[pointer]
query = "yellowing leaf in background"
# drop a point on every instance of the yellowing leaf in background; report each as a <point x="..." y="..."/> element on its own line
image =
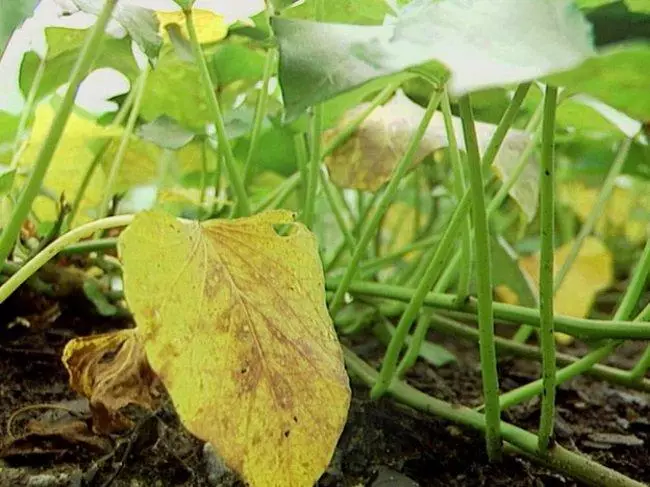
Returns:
<point x="627" y="211"/>
<point x="367" y="159"/>
<point x="70" y="162"/>
<point x="399" y="228"/>
<point x="233" y="321"/>
<point x="591" y="272"/>
<point x="210" y="27"/>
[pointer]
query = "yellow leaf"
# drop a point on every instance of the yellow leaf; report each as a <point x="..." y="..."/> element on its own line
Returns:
<point x="210" y="27"/>
<point x="69" y="164"/>
<point x="399" y="229"/>
<point x="233" y="320"/>
<point x="111" y="370"/>
<point x="506" y="294"/>
<point x="627" y="211"/>
<point x="591" y="272"/>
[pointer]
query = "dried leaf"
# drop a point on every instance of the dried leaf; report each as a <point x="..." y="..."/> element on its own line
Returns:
<point x="233" y="320"/>
<point x="111" y="370"/>
<point x="367" y="159"/>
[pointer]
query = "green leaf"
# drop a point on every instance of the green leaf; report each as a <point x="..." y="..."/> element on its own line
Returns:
<point x="8" y="127"/>
<point x="618" y="76"/>
<point x="14" y="13"/>
<point x="7" y="178"/>
<point x="173" y="89"/>
<point x="165" y="133"/>
<point x="589" y="159"/>
<point x="232" y="62"/>
<point x="482" y="46"/>
<point x="617" y="22"/>
<point x="362" y="12"/>
<point x="140" y="23"/>
<point x="64" y="48"/>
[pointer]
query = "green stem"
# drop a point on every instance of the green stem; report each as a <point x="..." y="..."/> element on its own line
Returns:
<point x="487" y="349"/>
<point x="260" y="114"/>
<point x="559" y="458"/>
<point x="578" y="327"/>
<point x="459" y="188"/>
<point x="33" y="186"/>
<point x="383" y="203"/>
<point x="114" y="171"/>
<point x="243" y="205"/>
<point x="546" y="291"/>
<point x="313" y="168"/>
<point x="596" y="211"/>
<point x="415" y="343"/>
<point x="73" y="236"/>
<point x="456" y="329"/>
<point x="109" y="243"/>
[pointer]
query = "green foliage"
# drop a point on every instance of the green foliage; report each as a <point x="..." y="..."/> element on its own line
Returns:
<point x="63" y="49"/>
<point x="319" y="60"/>
<point x="617" y="75"/>
<point x="14" y="13"/>
<point x="140" y="23"/>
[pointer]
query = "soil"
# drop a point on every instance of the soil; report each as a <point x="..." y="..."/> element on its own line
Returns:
<point x="383" y="444"/>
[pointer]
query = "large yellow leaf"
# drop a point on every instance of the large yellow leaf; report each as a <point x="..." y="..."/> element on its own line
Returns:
<point x="591" y="272"/>
<point x="233" y="320"/>
<point x="367" y="159"/>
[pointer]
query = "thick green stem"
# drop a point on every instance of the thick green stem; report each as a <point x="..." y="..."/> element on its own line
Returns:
<point x="33" y="186"/>
<point x="487" y="349"/>
<point x="116" y="165"/>
<point x="243" y="205"/>
<point x="383" y="203"/>
<point x="459" y="188"/>
<point x="546" y="291"/>
<point x="260" y="114"/>
<point x="57" y="246"/>
<point x="559" y="458"/>
<point x="579" y="327"/>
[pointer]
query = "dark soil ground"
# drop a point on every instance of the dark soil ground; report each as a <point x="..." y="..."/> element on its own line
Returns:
<point x="384" y="444"/>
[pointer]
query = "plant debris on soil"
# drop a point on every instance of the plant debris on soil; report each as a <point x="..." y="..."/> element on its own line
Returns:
<point x="48" y="439"/>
